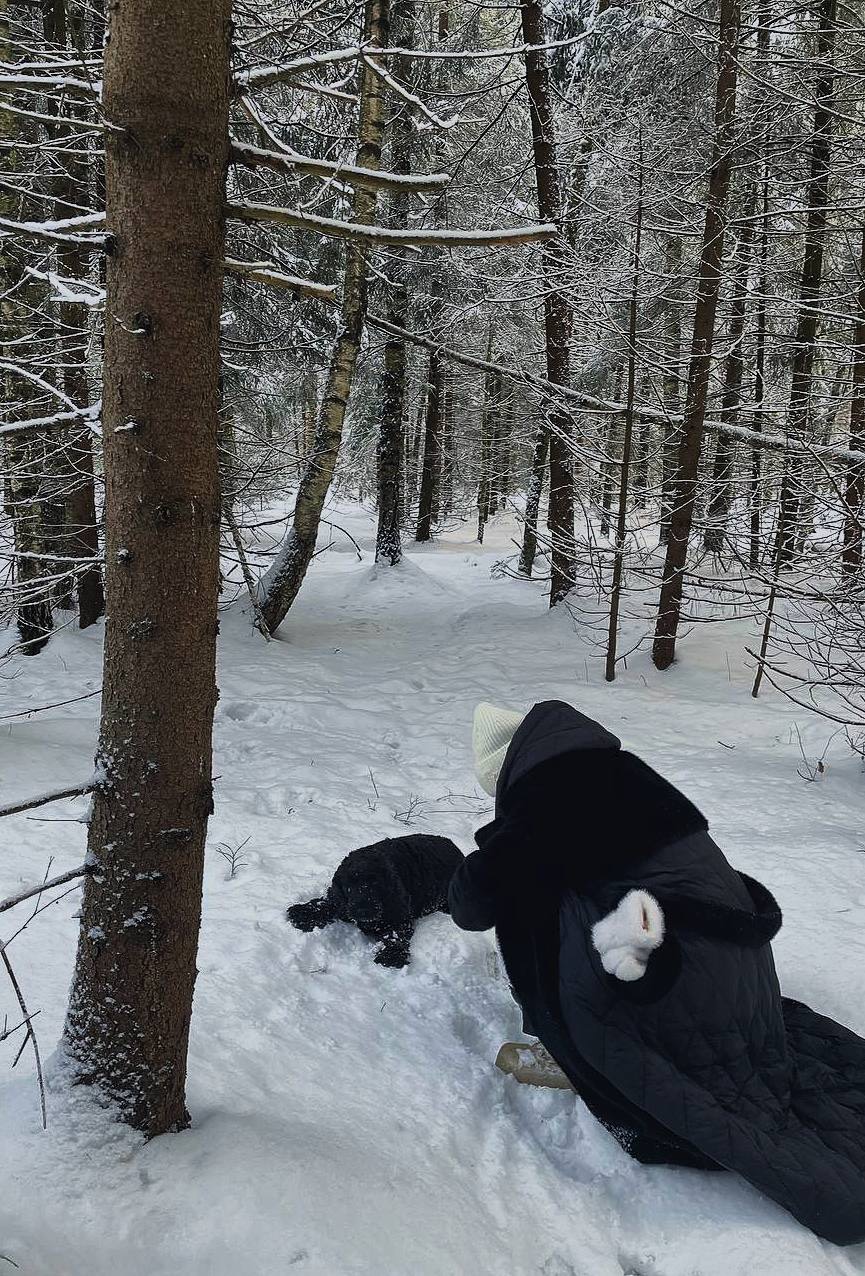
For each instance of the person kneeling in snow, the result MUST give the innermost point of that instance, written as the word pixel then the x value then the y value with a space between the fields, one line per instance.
pixel 642 962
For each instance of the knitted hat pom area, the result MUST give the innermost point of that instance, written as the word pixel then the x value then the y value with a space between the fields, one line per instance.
pixel 492 731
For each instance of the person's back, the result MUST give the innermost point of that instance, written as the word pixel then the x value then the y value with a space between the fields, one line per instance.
pixel 681 1044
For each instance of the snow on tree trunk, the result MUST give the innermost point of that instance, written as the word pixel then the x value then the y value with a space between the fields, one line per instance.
pixel 127 1026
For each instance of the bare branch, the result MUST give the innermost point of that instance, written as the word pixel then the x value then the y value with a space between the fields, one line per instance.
pixel 12 900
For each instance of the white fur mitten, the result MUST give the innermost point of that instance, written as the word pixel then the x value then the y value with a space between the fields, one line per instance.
pixel 627 937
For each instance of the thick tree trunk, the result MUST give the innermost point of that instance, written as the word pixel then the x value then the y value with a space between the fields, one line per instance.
pixel 854 487
pixel 166 91
pixel 718 510
pixel 557 314
pixel 281 583
pixel 688 460
pixel 388 546
pixel 431 466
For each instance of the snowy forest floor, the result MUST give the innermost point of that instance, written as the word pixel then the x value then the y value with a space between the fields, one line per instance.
pixel 347 1119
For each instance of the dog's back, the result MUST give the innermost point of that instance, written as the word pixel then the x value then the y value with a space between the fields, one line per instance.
pixel 422 863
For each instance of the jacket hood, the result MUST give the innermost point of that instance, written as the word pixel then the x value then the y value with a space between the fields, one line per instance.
pixel 549 730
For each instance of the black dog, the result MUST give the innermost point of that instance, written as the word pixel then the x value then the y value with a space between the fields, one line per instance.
pixel 382 889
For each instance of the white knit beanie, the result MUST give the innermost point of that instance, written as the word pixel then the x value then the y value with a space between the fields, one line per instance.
pixel 492 733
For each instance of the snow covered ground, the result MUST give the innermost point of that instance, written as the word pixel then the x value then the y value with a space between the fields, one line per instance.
pixel 347 1118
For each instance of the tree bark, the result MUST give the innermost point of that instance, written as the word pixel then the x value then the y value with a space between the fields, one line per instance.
pixel 711 257
pixel 23 454
pixel 672 378
pixel 80 534
pixel 281 584
pixel 166 88
pixel 854 485
pixel 557 316
pixel 621 521
pixel 388 546
pixel 759 377
pixel 529 548
pixel 431 466
pixel 718 510
pixel 811 276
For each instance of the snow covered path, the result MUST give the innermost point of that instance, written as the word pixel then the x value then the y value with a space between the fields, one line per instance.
pixel 347 1118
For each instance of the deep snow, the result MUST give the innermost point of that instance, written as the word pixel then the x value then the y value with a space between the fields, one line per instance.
pixel 347 1118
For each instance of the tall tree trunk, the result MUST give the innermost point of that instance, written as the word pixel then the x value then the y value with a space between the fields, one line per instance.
pixel 557 314
pixel 431 467
pixel 611 467
pixel 80 535
pixel 22 454
pixel 854 486
pixel 446 499
pixel 488 425
pixel 621 521
pixel 281 583
pixel 166 91
pixel 718 510
pixel 811 277
pixel 388 546
pixel 529 548
pixel 759 376
pixel 711 257
pixel 672 383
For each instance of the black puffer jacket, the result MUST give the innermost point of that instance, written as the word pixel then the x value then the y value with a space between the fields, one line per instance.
pixel 701 1062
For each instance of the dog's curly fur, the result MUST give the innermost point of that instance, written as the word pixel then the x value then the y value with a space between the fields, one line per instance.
pixel 382 889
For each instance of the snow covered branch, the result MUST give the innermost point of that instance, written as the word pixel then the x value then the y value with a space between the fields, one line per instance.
pixel 264 273
pixel 12 900
pixel 55 795
pixel 369 179
pixel 68 230
pixel 258 77
pixel 335 229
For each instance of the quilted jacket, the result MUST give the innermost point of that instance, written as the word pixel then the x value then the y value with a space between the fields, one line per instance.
pixel 700 1062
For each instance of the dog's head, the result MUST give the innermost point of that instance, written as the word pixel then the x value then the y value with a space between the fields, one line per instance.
pixel 358 899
